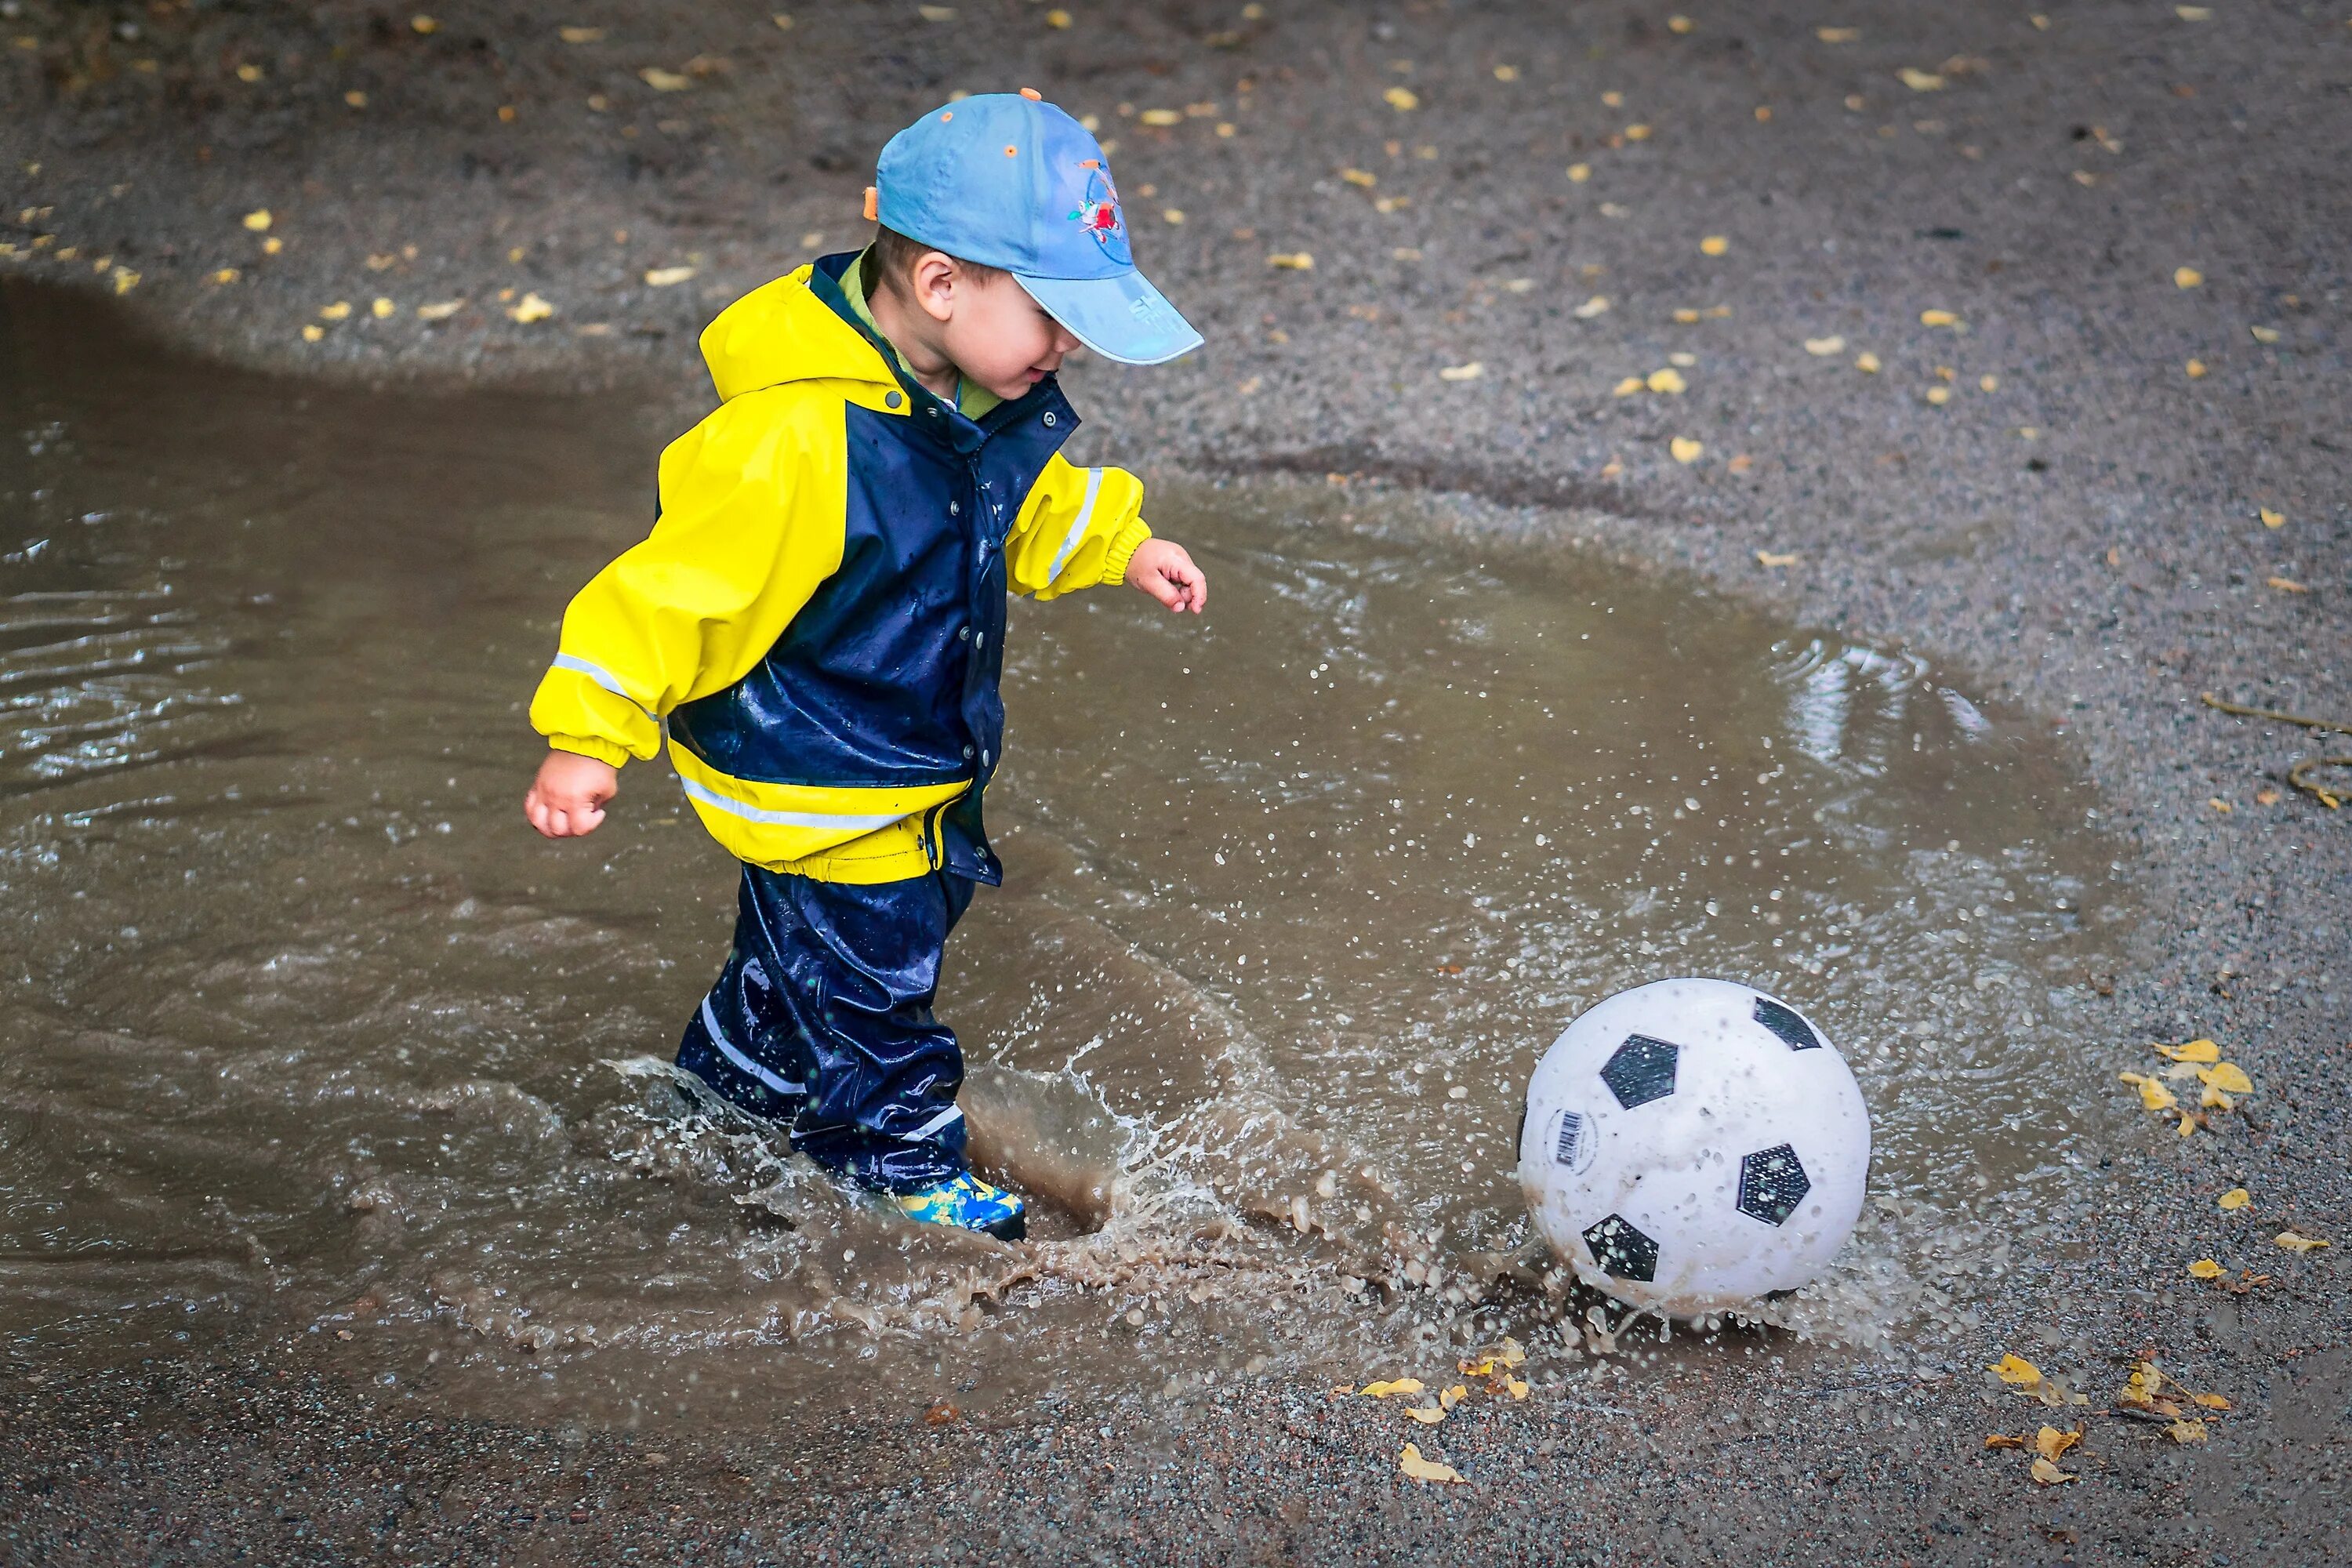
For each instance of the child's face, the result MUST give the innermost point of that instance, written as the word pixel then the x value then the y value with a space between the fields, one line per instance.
pixel 1000 337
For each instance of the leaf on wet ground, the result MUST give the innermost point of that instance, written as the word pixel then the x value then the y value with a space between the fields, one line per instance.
pixel 1597 305
pixel 2270 518
pixel 1768 558
pixel 439 310
pixel 1391 1388
pixel 530 308
pixel 2049 1475
pixel 1837 35
pixel 1714 244
pixel 2205 1268
pixel 1685 451
pixel 2003 1440
pixel 1401 99
pixel 2051 1443
pixel 2187 1431
pixel 1667 380
pixel 1935 317
pixel 2227 1076
pixel 2296 1242
pixel 1291 261
pixel 1821 348
pixel 666 277
pixel 1866 363
pixel 1428 1472
pixel 1918 80
pixel 1470 371
pixel 2153 1095
pixel 2187 278
pixel 2017 1372
pixel 662 80
pixel 2194 1051
pixel 1427 1415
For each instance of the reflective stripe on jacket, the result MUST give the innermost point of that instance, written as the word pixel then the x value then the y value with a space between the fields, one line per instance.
pixel 817 618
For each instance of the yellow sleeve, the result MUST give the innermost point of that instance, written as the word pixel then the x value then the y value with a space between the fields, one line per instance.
pixel 753 503
pixel 1077 529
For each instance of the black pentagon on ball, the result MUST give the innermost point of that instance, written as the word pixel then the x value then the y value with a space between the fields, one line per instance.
pixel 1783 1021
pixel 1621 1249
pixel 1640 1070
pixel 1772 1182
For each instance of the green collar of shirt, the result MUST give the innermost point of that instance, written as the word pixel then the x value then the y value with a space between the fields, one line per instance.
pixel 971 400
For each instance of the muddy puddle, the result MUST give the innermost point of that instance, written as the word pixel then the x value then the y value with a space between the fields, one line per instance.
pixel 305 1031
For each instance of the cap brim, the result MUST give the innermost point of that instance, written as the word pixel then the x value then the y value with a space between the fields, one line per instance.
pixel 1122 318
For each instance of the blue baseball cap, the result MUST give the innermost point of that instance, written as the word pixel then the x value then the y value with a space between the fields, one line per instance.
pixel 1010 181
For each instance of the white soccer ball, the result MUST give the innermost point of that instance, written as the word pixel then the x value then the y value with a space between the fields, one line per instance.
pixel 1691 1145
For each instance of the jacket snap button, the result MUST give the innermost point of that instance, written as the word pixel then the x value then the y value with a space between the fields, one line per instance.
pixel 953 510
pixel 967 753
pixel 963 634
pixel 1049 416
pixel 891 400
pixel 981 641
pixel 983 757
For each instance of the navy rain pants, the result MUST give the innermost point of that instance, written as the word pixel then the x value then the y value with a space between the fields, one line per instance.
pixel 823 1018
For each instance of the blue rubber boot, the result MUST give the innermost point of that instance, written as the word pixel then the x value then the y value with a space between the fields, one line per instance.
pixel 970 1203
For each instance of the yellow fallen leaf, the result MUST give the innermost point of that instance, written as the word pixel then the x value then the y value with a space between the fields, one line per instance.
pixel 665 277
pixel 1938 318
pixel 1453 1396
pixel 1483 1364
pixel 581 35
pixel 1866 363
pixel 2211 1099
pixel 248 73
pixel 2187 278
pixel 2270 518
pixel 1507 73
pixel 2188 1124
pixel 2003 1440
pixel 1627 387
pixel 1470 371
pixel 2193 1051
pixel 258 220
pixel 1821 348
pixel 2205 1268
pixel 440 311
pixel 2153 1095
pixel 1668 381
pixel 225 275
pixel 1161 117
pixel 1579 172
pixel 1987 383
pixel 1292 261
pixel 2235 1198
pixel 2296 1241
pixel 1767 558
pixel 1427 1415
pixel 1637 133
pixel 312 333
pixel 1920 81
pixel 1401 99
pixel 2194 370
pixel 1685 449
pixel 1837 35
pixel 1057 18
pixel 125 279
pixel 1740 463
pixel 1940 395
pixel 2265 334
pixel 530 308
pixel 1714 244
pixel 381 307
pixel 1363 177
pixel 2017 1372
pixel 2223 806
pixel 1596 306
pixel 356 98
pixel 936 13
pixel 2048 1474
pixel 1428 1470
pixel 2227 1076
pixel 2211 1400
pixel 1392 1387
pixel 336 311
pixel 1679 24
pixel 2187 1432
pixel 661 80
pixel 272 246
pixel 1686 316
pixel 2193 13
pixel 1171 215
pixel 2051 1443
pixel 2286 585
pixel 1517 1387
pixel 422 24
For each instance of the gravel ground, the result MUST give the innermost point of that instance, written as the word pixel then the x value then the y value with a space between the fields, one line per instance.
pixel 2084 533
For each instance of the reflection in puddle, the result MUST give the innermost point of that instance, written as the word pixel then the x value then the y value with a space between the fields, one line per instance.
pixel 304 1024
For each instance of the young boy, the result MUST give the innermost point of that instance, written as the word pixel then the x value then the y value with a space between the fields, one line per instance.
pixel 816 620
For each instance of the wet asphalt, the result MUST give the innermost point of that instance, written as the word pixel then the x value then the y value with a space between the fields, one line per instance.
pixel 2078 524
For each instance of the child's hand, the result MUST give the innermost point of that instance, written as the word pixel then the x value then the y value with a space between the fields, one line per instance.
pixel 1162 568
pixel 567 799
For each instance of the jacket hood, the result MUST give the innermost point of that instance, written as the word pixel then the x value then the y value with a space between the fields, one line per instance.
pixel 783 332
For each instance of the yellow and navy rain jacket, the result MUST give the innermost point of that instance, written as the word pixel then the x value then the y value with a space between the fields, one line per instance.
pixel 817 618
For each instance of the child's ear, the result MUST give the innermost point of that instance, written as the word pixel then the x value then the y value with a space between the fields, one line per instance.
pixel 936 279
